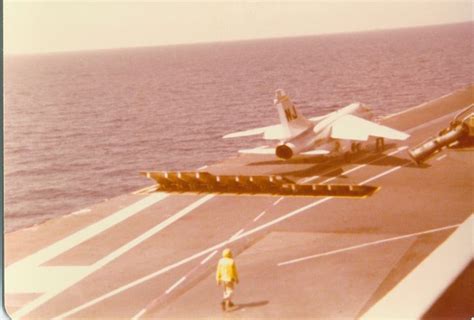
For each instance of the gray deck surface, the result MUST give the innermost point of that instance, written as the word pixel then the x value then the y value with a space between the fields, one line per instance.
pixel 128 256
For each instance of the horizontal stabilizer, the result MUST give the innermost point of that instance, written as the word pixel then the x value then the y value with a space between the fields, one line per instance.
pixel 259 150
pixel 275 132
pixel 245 133
pixel 317 119
pixel 315 152
pixel 350 127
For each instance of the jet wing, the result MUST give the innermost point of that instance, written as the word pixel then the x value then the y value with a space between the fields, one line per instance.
pixel 265 150
pixel 315 152
pixel 350 127
pixel 259 150
pixel 317 119
pixel 275 132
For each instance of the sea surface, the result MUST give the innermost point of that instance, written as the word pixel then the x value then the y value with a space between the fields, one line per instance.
pixel 78 127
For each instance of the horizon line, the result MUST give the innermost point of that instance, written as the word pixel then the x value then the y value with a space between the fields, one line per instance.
pixel 67 51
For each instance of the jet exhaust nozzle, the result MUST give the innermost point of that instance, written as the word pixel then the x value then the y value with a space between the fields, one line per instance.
pixel 284 151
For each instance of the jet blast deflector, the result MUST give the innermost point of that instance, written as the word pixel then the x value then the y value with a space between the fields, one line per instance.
pixel 205 182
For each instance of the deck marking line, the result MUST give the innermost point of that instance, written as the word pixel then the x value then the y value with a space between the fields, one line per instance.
pixel 65 244
pixel 368 244
pixel 183 261
pixel 190 258
pixel 308 179
pixel 138 315
pixel 138 281
pixel 366 164
pixel 420 106
pixel 380 175
pixel 145 190
pixel 426 124
pixel 113 255
pixel 278 201
pixel 237 234
pixel 175 285
pixel 259 216
pixel 151 232
pixel 441 157
pixel 153 302
pixel 79 212
pixel 209 257
pixel 428 280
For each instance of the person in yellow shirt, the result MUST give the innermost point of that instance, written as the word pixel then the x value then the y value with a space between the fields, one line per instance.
pixel 227 276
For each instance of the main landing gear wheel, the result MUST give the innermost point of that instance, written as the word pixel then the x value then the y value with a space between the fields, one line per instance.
pixel 347 156
pixel 379 144
pixel 355 147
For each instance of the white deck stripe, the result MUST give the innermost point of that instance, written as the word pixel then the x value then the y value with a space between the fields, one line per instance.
pixel 175 285
pixel 209 257
pixel 380 175
pixel 237 234
pixel 334 169
pixel 195 256
pixel 138 315
pixel 278 201
pixel 399 149
pixel 441 157
pixel 88 232
pixel 183 261
pixel 259 216
pixel 416 107
pixel 426 124
pixel 144 310
pixel 113 255
pixel 145 190
pixel 151 232
pixel 199 254
pixel 422 287
pixel 308 179
pixel 364 245
pixel 366 164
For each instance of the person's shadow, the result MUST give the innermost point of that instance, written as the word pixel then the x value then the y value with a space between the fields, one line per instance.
pixel 239 306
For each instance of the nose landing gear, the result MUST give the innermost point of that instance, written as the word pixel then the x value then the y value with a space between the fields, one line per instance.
pixel 379 144
pixel 355 147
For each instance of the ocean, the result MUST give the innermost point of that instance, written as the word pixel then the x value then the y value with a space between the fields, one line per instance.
pixel 79 126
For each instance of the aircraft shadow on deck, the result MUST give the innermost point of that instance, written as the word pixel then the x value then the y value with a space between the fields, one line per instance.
pixel 367 155
pixel 296 160
pixel 313 171
pixel 330 167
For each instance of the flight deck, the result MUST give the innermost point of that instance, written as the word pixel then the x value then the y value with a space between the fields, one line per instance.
pixel 400 249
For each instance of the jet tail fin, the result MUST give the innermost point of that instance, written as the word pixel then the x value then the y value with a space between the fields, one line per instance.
pixel 292 121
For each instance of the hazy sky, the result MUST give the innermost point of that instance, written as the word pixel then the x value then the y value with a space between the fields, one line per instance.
pixel 40 26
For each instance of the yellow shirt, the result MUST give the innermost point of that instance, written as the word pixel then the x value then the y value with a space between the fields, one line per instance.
pixel 226 270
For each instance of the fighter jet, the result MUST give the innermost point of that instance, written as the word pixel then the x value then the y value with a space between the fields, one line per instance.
pixel 322 135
